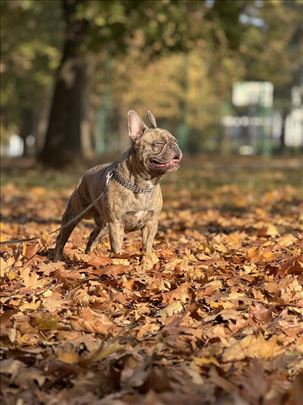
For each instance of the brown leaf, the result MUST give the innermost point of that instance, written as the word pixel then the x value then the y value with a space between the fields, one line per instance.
pixel 149 260
pixel 31 279
pixel 91 321
pixel 252 346
pixel 30 249
pixel 69 277
pixel 174 308
pixel 99 261
pixel 179 294
pixel 70 357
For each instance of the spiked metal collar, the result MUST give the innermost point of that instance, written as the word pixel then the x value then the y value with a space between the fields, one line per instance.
pixel 128 184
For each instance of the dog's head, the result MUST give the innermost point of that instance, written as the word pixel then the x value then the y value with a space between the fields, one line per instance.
pixel 156 149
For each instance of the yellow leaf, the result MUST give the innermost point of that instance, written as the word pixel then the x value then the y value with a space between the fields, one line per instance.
pixel 11 275
pixel 206 361
pixel 252 346
pixel 149 260
pixel 47 293
pixel 46 322
pixel 102 352
pixel 171 309
pixel 35 304
pixel 69 357
pixel 123 262
pixel 271 230
pixel 287 240
pixel 31 278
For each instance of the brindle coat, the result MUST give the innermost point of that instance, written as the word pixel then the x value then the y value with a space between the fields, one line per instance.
pixel 153 153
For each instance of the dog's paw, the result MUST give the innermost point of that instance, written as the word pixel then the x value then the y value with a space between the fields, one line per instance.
pixel 55 256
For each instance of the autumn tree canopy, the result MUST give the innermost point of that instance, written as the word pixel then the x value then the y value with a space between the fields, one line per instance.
pixel 74 67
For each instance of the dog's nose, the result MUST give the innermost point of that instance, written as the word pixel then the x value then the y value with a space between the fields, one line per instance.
pixel 175 148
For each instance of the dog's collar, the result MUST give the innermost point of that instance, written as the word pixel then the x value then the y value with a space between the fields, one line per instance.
pixel 128 184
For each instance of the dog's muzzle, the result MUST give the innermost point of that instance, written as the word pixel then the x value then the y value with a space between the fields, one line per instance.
pixel 170 159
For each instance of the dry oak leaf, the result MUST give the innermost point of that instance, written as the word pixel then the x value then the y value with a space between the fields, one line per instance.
pixel 92 321
pixel 68 277
pixel 179 294
pixel 102 352
pixel 4 266
pixel 30 249
pixel 252 346
pixel 174 308
pixel 206 361
pixel 267 230
pixel 81 297
pixel 70 357
pixel 149 260
pixel 31 279
pixel 43 322
pixel 33 305
pixel 261 314
pixel 286 240
pixel 53 302
pixel 147 329
pixel 28 339
pixel 114 270
pixel 98 261
pixel 120 261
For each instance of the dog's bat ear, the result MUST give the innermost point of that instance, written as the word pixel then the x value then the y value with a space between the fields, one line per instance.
pixel 152 119
pixel 136 126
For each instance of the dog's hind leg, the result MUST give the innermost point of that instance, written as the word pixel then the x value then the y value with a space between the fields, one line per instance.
pixel 65 231
pixel 94 234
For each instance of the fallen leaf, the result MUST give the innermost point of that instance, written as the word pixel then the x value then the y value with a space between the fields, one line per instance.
pixel 30 249
pixel 149 260
pixel 69 357
pixel 171 309
pixel 91 321
pixel 253 346
pixel 122 262
pixel 99 261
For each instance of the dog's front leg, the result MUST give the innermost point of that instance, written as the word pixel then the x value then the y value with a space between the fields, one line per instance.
pixel 116 233
pixel 149 232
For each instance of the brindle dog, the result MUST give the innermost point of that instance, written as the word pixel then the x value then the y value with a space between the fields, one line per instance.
pixel 132 198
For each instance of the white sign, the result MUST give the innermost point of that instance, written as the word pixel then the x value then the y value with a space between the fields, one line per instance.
pixel 253 93
pixel 244 121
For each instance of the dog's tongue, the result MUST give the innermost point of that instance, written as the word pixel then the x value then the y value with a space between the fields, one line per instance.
pixel 167 163
pixel 171 162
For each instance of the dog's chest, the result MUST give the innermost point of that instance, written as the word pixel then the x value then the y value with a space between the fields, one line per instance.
pixel 134 220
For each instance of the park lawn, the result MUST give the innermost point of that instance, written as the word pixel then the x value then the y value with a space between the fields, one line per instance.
pixel 214 315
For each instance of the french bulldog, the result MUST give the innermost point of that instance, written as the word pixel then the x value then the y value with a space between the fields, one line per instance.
pixel 130 192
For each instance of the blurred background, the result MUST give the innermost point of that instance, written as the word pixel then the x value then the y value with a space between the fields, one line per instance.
pixel 224 76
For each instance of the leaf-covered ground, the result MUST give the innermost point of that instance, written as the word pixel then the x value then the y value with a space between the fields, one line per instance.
pixel 214 316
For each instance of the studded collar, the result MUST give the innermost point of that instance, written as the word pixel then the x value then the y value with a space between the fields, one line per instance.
pixel 128 184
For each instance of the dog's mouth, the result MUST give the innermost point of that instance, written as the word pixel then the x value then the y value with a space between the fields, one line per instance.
pixel 160 164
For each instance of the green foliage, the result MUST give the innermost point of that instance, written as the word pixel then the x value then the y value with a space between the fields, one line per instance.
pixel 274 50
pixel 147 40
pixel 30 52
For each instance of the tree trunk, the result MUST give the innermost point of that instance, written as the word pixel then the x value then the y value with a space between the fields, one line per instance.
pixel 283 131
pixel 63 135
pixel 26 127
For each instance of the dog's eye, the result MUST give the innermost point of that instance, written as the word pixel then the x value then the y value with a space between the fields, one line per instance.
pixel 158 143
